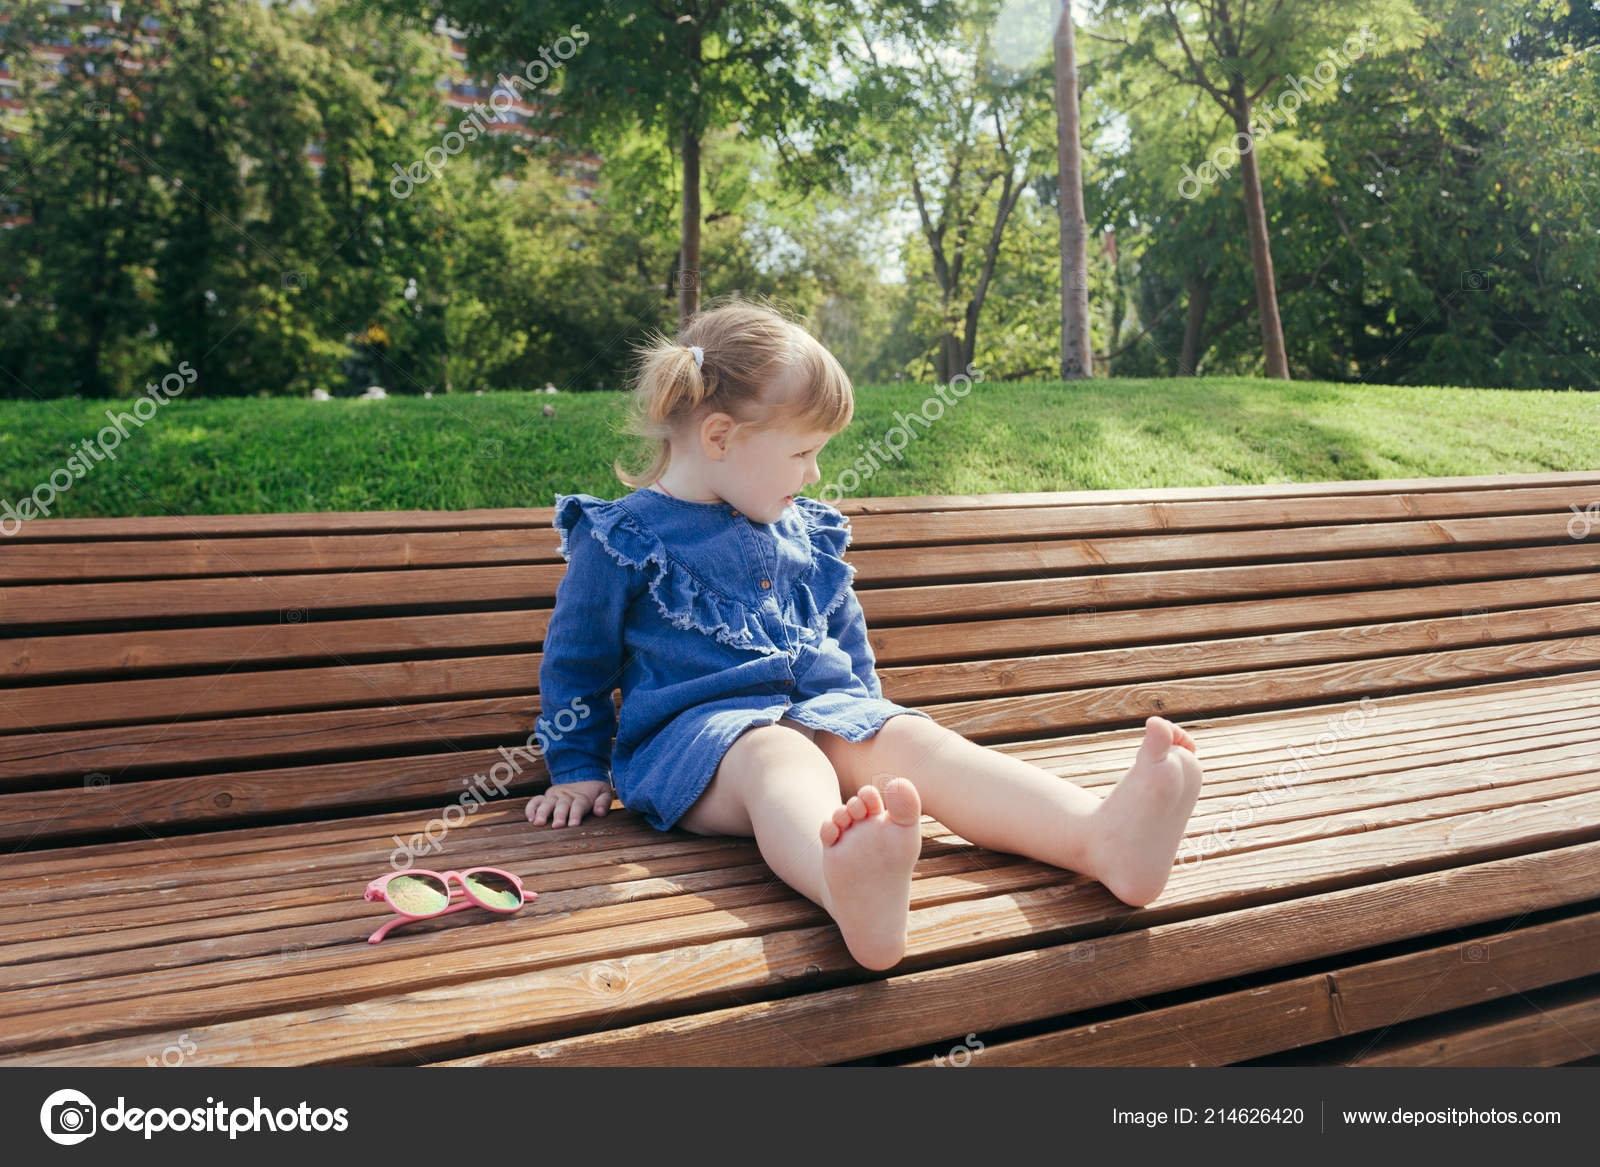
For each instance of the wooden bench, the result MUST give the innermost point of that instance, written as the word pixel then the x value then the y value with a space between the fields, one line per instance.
pixel 217 729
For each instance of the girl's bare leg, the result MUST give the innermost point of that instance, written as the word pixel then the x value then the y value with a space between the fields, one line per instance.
pixel 853 859
pixel 1127 840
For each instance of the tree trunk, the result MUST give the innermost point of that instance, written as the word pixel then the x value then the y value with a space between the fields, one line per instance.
pixel 1194 325
pixel 1077 358
pixel 948 362
pixel 689 248
pixel 1260 248
pixel 1119 303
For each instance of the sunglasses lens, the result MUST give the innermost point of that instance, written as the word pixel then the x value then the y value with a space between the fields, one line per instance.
pixel 418 894
pixel 495 890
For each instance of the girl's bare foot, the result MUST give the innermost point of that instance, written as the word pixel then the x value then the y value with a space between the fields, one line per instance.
pixel 869 848
pixel 1141 821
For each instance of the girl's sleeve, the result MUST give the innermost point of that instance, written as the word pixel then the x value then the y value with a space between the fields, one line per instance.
pixel 583 656
pixel 848 624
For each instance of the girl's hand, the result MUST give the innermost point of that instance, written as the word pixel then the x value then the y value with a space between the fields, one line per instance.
pixel 565 803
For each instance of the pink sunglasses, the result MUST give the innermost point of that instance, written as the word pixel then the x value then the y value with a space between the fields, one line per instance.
pixel 417 894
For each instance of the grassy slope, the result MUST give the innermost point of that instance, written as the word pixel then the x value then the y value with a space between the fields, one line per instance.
pixel 261 455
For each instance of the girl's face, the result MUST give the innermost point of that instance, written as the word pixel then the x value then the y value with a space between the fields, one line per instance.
pixel 764 470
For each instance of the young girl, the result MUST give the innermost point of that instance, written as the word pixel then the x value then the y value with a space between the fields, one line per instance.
pixel 718 598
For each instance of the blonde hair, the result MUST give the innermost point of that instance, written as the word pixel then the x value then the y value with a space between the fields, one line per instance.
pixel 747 348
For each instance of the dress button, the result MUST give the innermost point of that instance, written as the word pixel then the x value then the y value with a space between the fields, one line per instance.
pixel 766 583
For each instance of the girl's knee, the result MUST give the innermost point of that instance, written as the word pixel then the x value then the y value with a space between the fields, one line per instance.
pixel 758 758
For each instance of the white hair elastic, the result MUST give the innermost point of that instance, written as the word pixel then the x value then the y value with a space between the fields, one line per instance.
pixel 699 355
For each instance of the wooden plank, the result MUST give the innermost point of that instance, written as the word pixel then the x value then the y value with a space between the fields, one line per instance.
pixel 127 559
pixel 243 691
pixel 289 1019
pixel 276 597
pixel 1043 669
pixel 328 735
pixel 1232 735
pixel 974 561
pixel 1374 995
pixel 974 525
pixel 969 642
pixel 327 522
pixel 151 650
pixel 1011 717
pixel 1546 1028
pixel 1035 592
pixel 280 552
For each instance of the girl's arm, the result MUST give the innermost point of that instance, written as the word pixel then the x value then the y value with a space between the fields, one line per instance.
pixel 848 625
pixel 583 662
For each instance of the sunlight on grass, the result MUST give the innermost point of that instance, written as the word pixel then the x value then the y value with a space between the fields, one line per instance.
pixel 221 456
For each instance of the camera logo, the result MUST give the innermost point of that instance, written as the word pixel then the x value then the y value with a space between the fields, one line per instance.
pixel 67 1117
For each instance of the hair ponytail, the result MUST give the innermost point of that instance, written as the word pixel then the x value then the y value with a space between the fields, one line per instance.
pixel 745 349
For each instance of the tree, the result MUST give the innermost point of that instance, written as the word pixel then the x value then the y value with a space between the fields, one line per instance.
pixel 1077 359
pixel 1234 53
pixel 677 72
pixel 936 93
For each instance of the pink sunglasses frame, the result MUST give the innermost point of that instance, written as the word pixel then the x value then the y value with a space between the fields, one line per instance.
pixel 378 889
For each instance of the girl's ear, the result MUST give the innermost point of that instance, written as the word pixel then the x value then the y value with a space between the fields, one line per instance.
pixel 716 431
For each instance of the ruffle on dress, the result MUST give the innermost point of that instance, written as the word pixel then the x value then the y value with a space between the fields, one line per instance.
pixel 822 589
pixel 685 600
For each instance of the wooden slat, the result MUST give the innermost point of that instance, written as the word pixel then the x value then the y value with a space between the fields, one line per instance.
pixel 989 720
pixel 83 560
pixel 971 561
pixel 1038 593
pixel 1250 1023
pixel 332 735
pixel 355 522
pixel 1543 1029
pixel 146 651
pixel 279 597
pixel 1044 670
pixel 281 553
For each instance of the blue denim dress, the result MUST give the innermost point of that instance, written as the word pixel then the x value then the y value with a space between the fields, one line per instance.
pixel 710 623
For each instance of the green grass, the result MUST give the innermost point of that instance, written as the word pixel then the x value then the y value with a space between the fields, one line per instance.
pixel 196 456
